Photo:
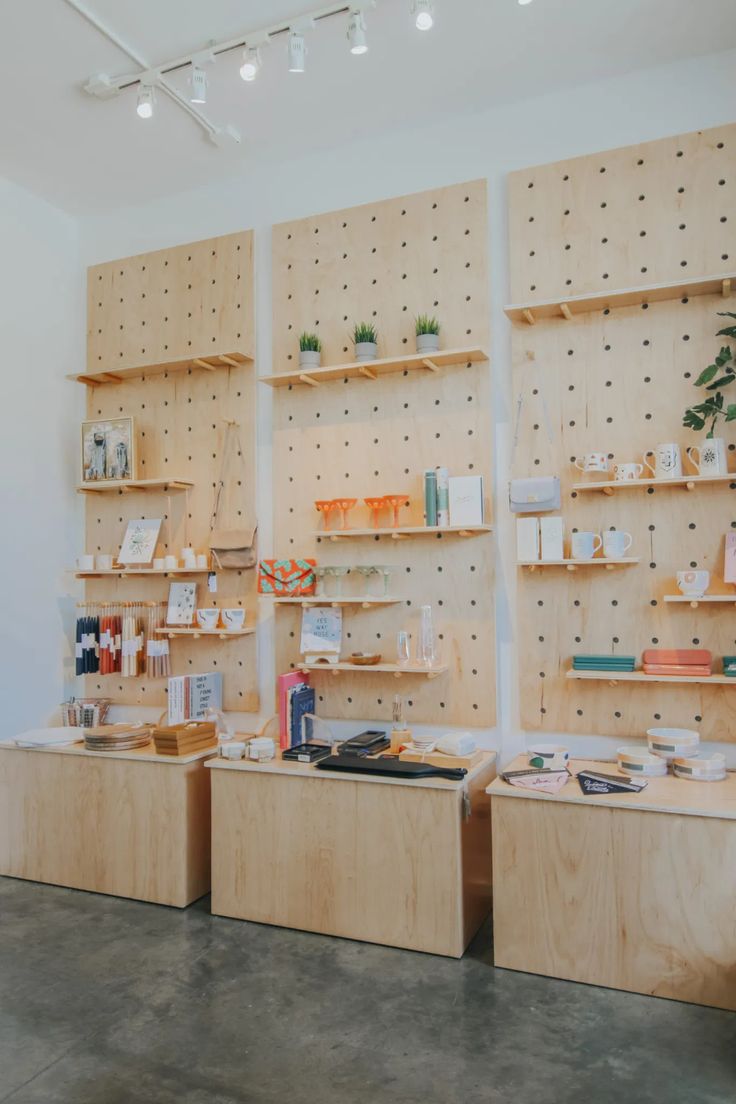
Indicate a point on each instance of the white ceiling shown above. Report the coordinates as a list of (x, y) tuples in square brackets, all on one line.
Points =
[(89, 155)]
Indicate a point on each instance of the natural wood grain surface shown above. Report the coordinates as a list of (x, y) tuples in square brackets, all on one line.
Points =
[(631, 900), (618, 381), (105, 823), (180, 427), (392, 864), (386, 263)]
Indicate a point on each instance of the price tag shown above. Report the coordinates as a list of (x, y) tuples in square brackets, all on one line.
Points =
[(212, 582)]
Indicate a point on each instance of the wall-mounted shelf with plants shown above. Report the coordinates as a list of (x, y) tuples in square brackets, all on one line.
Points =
[(568, 307), (372, 369)]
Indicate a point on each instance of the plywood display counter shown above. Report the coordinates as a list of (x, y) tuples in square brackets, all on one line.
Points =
[(629, 891), (130, 823), (383, 860)]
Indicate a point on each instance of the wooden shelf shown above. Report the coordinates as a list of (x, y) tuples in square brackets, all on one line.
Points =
[(376, 669), (689, 482), (366, 602), (679, 599), (370, 370), (573, 565), (613, 677), (403, 531), (569, 307), (107, 486), (209, 363), (224, 634), (128, 573)]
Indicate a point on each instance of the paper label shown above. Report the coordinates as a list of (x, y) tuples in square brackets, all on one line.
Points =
[(130, 647), (105, 639), (78, 650), (212, 582)]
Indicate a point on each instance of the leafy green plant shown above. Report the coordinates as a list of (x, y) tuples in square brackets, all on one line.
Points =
[(719, 374), (365, 332), (427, 325), (310, 343)]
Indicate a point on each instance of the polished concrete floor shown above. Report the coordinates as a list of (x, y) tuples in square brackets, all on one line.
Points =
[(105, 1001)]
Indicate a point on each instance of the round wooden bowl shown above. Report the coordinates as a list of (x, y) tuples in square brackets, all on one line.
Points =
[(361, 660)]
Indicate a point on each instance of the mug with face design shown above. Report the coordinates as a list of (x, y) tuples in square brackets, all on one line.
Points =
[(667, 461), (592, 462), (233, 619), (711, 456), (585, 545), (208, 618), (622, 473), (616, 544)]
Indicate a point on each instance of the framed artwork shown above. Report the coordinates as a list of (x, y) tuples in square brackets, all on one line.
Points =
[(108, 450), (139, 543), (182, 603)]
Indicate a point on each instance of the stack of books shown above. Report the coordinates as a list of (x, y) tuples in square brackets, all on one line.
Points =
[(677, 661), (603, 663), (185, 739), (729, 666)]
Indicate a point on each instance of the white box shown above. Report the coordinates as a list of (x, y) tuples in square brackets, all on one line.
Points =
[(552, 534), (729, 566), (466, 499), (527, 539)]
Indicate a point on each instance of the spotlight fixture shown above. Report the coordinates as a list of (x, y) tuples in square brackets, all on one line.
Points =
[(523, 3), (145, 101), (297, 52), (356, 33), (423, 14), (251, 63), (198, 81)]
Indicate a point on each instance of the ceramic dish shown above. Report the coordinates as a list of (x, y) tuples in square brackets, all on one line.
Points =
[(548, 755), (711, 769), (638, 761), (361, 659), (669, 743)]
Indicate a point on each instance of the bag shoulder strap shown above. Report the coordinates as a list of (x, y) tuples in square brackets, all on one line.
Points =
[(232, 435), (540, 389)]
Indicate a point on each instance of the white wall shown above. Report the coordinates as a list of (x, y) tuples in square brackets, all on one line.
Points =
[(639, 107), (42, 327)]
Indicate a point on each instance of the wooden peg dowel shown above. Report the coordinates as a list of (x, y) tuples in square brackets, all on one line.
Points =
[(566, 312), (726, 288), (608, 491), (308, 379), (203, 364), (528, 317), (430, 364), (368, 372)]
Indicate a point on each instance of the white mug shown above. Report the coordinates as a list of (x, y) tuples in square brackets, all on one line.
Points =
[(170, 563), (711, 456), (592, 462), (103, 562), (622, 473), (85, 562), (616, 543), (693, 583), (585, 545), (667, 461), (208, 618), (233, 618)]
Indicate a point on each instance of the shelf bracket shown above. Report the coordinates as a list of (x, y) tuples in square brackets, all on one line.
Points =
[(693, 605), (608, 491), (304, 378), (726, 288), (398, 536), (228, 360), (528, 316), (203, 364), (566, 312), (572, 567), (368, 372), (689, 486), (430, 364)]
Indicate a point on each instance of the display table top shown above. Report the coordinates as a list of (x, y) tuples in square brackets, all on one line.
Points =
[(138, 755), (305, 770), (662, 795)]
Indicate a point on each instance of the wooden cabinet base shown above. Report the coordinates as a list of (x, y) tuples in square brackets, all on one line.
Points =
[(383, 862), (637, 900), (130, 826)]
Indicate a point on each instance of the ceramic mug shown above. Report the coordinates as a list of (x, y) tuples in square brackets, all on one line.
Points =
[(622, 473), (693, 583), (585, 545), (667, 461), (103, 562), (208, 618), (592, 462), (616, 543), (711, 456), (552, 756), (233, 618)]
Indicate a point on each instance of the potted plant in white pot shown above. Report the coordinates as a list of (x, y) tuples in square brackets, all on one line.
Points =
[(428, 334), (310, 351), (365, 337)]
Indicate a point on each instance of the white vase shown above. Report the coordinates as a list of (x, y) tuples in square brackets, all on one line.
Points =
[(309, 358), (366, 350), (428, 343)]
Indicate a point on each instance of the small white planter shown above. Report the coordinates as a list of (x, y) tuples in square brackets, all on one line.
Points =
[(428, 343), (309, 358), (366, 350)]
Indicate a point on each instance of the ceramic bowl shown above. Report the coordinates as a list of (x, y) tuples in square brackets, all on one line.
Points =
[(361, 659), (554, 756), (668, 743), (710, 769), (637, 761)]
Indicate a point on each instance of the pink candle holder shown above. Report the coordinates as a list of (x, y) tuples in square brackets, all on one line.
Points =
[(396, 502)]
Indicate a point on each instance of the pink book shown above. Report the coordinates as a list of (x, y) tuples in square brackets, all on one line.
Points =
[(676, 669), (285, 683), (678, 656)]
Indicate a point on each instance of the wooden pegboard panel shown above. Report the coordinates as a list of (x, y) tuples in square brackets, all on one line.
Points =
[(619, 381), (654, 213), (189, 301), (387, 262), (180, 431)]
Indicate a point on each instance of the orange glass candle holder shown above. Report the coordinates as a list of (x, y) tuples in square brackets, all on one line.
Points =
[(396, 502), (375, 505), (324, 506), (344, 505)]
